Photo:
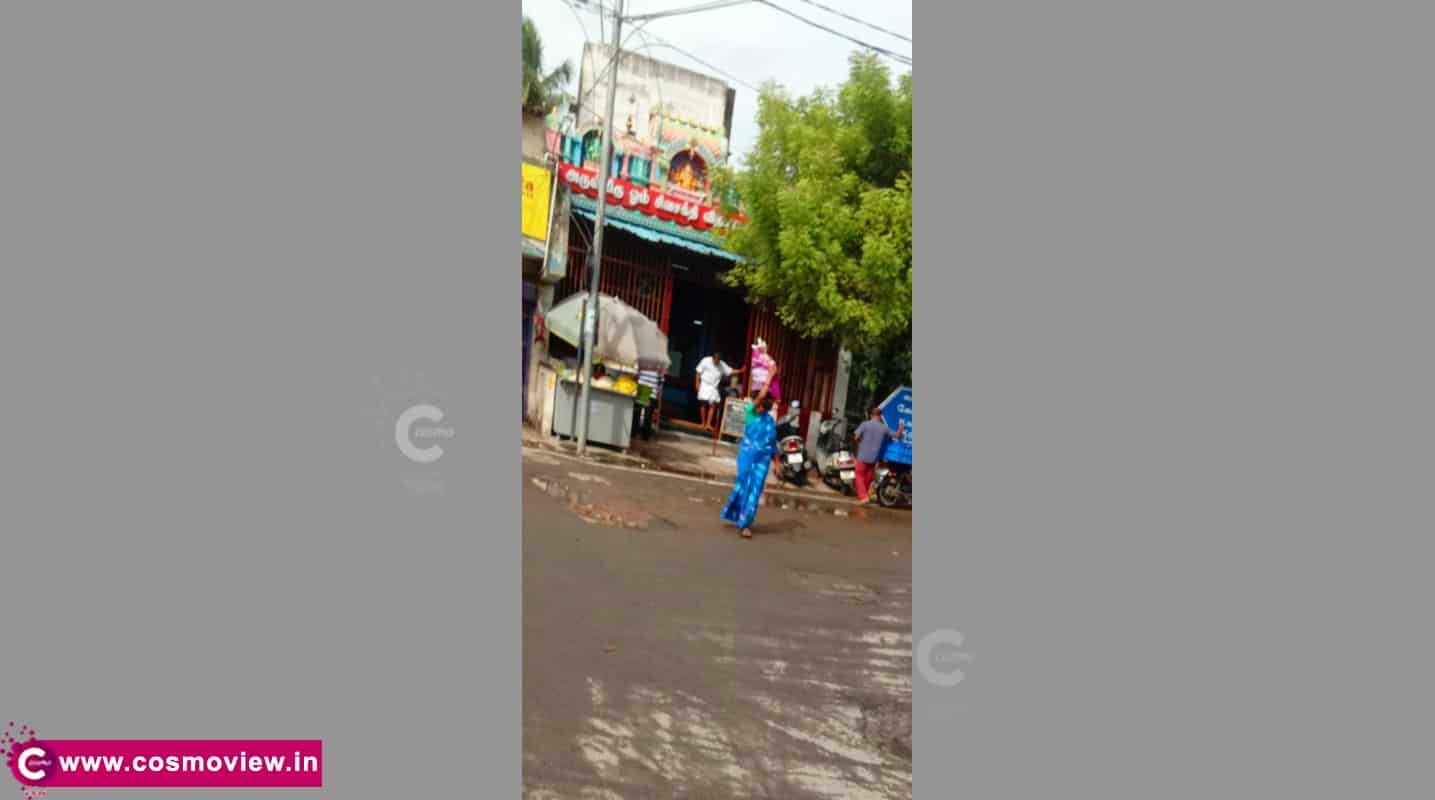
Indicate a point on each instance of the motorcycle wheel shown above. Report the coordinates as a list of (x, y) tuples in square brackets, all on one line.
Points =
[(889, 495)]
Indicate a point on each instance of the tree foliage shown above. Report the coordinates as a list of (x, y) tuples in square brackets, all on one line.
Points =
[(827, 190), (541, 91)]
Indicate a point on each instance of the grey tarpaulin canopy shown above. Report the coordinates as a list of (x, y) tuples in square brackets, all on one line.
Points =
[(625, 335)]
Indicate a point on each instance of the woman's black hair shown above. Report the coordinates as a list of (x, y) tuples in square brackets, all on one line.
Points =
[(766, 404)]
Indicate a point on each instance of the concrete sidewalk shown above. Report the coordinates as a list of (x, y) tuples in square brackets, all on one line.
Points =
[(685, 454)]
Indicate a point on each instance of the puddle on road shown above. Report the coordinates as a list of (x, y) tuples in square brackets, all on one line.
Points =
[(834, 587), (542, 458), (783, 503), (687, 469), (812, 507), (771, 500)]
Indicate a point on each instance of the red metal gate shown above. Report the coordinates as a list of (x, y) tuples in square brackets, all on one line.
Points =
[(641, 280)]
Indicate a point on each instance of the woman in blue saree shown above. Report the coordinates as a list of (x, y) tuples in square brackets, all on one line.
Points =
[(759, 446)]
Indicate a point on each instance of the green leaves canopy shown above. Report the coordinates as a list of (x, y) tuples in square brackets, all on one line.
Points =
[(827, 190)]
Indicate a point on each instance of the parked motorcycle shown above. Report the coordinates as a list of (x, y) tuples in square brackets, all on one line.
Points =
[(834, 461), (893, 485), (790, 447)]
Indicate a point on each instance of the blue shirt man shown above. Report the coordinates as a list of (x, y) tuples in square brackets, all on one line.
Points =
[(871, 436)]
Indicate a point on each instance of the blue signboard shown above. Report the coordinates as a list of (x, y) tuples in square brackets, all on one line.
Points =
[(898, 408)]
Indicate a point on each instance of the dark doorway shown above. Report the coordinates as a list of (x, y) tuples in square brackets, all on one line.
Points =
[(703, 317), (530, 304)]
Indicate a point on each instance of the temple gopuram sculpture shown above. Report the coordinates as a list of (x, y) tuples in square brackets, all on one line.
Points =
[(674, 155)]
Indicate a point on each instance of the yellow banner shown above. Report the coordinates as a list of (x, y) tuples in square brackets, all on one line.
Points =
[(537, 187)]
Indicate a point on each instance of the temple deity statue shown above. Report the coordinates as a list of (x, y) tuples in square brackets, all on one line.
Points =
[(685, 177), (687, 170)]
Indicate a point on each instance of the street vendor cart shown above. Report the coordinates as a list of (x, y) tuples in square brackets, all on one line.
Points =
[(627, 342)]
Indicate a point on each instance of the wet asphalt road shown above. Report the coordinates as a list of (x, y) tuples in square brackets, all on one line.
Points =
[(678, 660)]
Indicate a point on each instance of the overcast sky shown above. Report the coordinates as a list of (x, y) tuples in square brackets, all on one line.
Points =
[(752, 43)]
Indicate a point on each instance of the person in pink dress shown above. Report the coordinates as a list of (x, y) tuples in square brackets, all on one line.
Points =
[(764, 372)]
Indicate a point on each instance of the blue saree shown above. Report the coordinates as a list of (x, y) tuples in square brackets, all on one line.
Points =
[(759, 445)]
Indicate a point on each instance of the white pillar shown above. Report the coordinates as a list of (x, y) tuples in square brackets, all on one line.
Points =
[(839, 384), (814, 421), (538, 354)]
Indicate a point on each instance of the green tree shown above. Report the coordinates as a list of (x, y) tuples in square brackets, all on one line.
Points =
[(827, 191), (541, 91)]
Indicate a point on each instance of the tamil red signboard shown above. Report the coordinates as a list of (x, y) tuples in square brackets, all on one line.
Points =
[(645, 200)]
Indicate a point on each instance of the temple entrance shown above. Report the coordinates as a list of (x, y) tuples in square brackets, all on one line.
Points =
[(703, 317)]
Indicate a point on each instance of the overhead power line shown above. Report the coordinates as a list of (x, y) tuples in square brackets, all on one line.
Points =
[(652, 41), (863, 22), (572, 6), (600, 9), (600, 80), (882, 50), (677, 12)]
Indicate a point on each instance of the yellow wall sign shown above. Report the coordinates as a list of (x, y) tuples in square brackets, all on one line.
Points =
[(537, 188)]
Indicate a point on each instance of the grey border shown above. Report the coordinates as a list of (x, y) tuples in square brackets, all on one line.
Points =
[(221, 223), (943, 611), (1189, 402), (1174, 288)]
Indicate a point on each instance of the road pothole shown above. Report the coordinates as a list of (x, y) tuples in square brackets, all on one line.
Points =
[(598, 514), (607, 510)]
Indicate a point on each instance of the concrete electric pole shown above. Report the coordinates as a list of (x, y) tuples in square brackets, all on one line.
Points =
[(590, 313)]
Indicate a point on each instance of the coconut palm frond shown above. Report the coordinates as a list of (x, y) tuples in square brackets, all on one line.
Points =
[(541, 90), (554, 84)]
